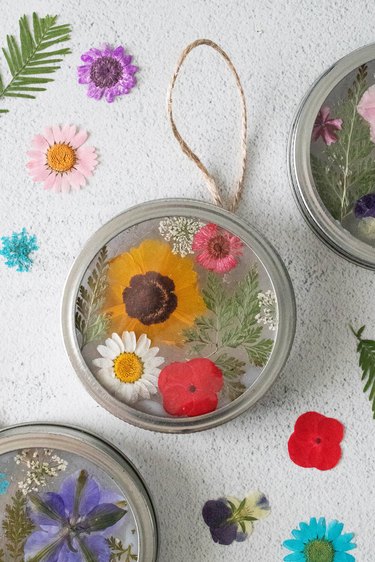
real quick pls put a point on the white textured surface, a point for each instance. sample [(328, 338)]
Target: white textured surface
[(279, 48)]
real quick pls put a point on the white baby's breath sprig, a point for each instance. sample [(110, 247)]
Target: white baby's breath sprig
[(268, 310), (41, 465), (180, 230)]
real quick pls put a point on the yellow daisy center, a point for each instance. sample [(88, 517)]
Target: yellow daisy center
[(61, 157), (128, 367)]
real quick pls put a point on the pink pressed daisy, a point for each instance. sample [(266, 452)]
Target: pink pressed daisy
[(216, 249), (60, 160)]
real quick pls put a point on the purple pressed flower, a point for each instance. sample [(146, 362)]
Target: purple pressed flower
[(230, 519), (325, 127), (108, 72), (365, 206), (71, 525)]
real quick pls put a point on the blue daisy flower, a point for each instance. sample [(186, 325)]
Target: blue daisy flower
[(318, 541), (17, 249)]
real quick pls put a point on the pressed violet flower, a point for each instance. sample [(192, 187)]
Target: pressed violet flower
[(366, 109), (230, 519), (16, 250), (365, 206), (60, 159), (130, 368), (152, 291), (217, 249), (315, 442), (318, 541), (72, 524), (190, 388), (108, 72), (326, 127)]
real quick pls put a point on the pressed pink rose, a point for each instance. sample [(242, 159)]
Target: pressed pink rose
[(325, 127), (366, 109), (216, 249)]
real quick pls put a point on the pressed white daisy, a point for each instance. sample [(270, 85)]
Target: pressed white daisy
[(128, 367)]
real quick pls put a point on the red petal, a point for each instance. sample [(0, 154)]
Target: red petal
[(299, 451), (206, 375), (331, 431), (307, 425), (325, 457)]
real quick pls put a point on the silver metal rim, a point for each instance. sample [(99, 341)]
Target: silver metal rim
[(307, 197), (266, 254), (102, 454)]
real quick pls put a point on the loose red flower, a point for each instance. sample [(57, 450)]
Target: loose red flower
[(191, 388), (315, 442)]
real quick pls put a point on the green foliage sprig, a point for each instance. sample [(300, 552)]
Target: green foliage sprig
[(366, 350), (33, 59), (17, 527), (119, 552), (232, 324), (346, 169), (91, 324)]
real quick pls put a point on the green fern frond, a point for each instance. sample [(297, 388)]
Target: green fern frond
[(30, 61), (366, 350)]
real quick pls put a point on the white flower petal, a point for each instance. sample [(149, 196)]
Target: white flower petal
[(116, 338), (142, 345), (152, 352), (130, 341), (106, 352), (112, 345), (103, 363)]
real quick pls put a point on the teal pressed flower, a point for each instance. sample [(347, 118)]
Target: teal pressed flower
[(318, 541), (17, 249)]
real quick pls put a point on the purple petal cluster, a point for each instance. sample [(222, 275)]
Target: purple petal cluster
[(365, 206), (71, 525), (108, 72), (217, 514)]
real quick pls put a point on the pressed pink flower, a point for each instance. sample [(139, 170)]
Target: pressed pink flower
[(216, 249), (366, 109), (60, 159), (325, 127)]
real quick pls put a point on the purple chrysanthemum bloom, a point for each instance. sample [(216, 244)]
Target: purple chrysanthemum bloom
[(365, 206), (72, 524), (108, 72)]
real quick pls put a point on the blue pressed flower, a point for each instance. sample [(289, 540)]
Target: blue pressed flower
[(17, 248), (318, 541), (230, 519), (365, 206), (72, 525)]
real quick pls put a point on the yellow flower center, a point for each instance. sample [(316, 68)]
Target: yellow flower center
[(61, 157), (128, 367)]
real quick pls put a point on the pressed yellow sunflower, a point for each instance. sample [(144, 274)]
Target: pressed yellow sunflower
[(152, 291)]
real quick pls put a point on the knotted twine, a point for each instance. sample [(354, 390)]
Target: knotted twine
[(212, 186)]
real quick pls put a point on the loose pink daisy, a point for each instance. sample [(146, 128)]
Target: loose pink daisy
[(216, 249), (60, 160)]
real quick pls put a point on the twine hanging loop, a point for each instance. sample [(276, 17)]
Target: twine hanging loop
[(212, 186)]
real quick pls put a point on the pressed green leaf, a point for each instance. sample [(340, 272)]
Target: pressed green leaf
[(9, 94), (27, 89), (29, 63), (4, 110), (366, 350), (17, 526)]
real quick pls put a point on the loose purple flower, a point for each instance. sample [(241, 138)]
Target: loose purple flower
[(108, 72), (72, 524), (365, 206), (326, 127)]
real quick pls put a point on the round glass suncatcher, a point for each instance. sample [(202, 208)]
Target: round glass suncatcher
[(177, 316), (67, 495), (332, 157)]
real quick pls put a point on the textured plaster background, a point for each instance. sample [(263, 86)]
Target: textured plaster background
[(279, 49)]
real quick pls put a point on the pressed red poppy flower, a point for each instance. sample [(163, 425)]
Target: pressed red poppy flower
[(191, 388), (315, 442)]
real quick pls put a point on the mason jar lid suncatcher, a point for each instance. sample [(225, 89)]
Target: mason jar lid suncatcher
[(332, 157), (66, 494), (177, 315)]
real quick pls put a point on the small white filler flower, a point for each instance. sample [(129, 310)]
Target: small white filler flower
[(129, 368)]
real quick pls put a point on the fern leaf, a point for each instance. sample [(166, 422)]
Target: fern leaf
[(366, 350), (30, 61), (17, 526)]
